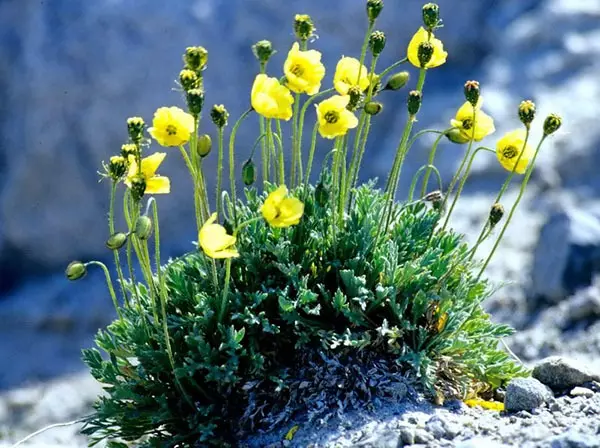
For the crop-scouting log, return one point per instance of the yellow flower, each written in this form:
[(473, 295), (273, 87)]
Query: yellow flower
[(484, 124), (215, 241), (491, 405), (334, 118), (303, 70), (155, 184), (270, 99), (281, 211), (510, 147), (439, 55), (171, 126), (346, 75)]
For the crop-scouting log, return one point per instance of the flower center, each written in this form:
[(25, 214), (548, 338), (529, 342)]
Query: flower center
[(467, 124), (171, 130), (332, 117), (297, 70), (510, 152)]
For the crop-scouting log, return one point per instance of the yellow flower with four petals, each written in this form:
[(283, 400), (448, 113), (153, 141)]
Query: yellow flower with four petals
[(304, 70), (155, 184), (270, 99), (510, 147), (439, 55), (347, 75), (280, 210), (215, 241), (171, 126), (334, 118), (471, 125)]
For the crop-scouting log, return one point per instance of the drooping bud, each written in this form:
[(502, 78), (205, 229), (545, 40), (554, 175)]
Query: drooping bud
[(356, 97), (195, 58), (431, 15), (117, 167), (195, 101), (472, 92), (303, 27), (373, 108), (75, 270), (377, 42), (138, 187), (496, 214), (552, 124), (249, 172), (436, 198), (204, 145), (321, 194), (116, 241), (188, 79), (219, 115), (397, 81), (135, 128), (414, 102), (129, 149), (425, 53), (143, 227), (527, 112), (374, 8), (456, 136), (263, 50)]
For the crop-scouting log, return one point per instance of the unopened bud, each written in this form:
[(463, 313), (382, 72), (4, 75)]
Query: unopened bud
[(377, 42), (116, 241), (397, 81), (496, 214), (143, 227), (263, 50), (431, 15), (375, 85), (472, 92), (249, 172), (373, 108), (321, 194), (75, 270), (356, 97), (129, 149), (117, 167), (552, 124), (456, 136), (219, 115), (303, 27), (188, 79), (195, 58), (195, 101), (414, 102), (436, 198), (374, 8), (204, 145), (138, 187), (135, 128), (425, 53), (527, 112)]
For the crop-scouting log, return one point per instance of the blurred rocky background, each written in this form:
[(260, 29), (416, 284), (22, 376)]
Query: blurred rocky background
[(71, 72)]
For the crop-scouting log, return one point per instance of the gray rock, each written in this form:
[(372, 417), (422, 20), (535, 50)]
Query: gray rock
[(562, 373), (525, 394), (581, 392), (422, 436), (480, 442), (441, 428), (574, 439)]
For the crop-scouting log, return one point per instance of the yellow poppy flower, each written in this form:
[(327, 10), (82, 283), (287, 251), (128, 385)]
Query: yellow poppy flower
[(346, 75), (270, 99), (334, 118), (491, 405), (508, 149), (303, 70), (439, 55), (215, 241), (155, 184), (281, 211), (171, 126), (484, 124)]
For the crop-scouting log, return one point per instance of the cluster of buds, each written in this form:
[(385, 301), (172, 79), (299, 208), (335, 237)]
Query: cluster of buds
[(304, 27), (190, 78), (219, 116), (135, 129), (527, 111)]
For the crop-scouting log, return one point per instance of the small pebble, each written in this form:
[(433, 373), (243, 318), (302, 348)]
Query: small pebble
[(581, 392)]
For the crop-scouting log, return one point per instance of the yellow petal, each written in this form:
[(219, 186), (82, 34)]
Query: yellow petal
[(151, 163), (158, 185)]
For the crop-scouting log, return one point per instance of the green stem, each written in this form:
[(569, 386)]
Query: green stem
[(219, 201), (392, 67), (191, 168), (432, 153), (111, 290), (225, 290), (363, 51), (295, 145), (111, 228), (307, 103), (281, 155), (232, 161), (311, 156), (413, 185)]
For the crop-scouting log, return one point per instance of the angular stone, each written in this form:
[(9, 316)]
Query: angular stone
[(525, 394), (561, 374)]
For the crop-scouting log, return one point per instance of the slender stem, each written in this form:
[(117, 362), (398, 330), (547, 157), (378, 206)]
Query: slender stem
[(264, 155), (392, 67), (413, 185), (295, 145), (225, 290), (281, 155), (232, 160), (111, 228), (219, 198), (111, 290), (432, 153), (514, 207), (307, 103), (46, 428), (415, 137), (311, 156), (191, 168), (363, 51), (343, 179)]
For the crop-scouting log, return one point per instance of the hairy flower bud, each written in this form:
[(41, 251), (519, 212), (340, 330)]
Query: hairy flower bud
[(219, 115), (303, 27), (431, 15), (373, 108), (116, 241), (75, 270), (425, 53), (195, 58), (496, 214), (117, 167), (129, 149), (143, 227), (436, 198), (138, 187), (249, 172), (455, 135), (472, 92), (188, 79), (377, 42), (204, 145), (135, 128), (374, 8), (195, 101), (552, 124), (527, 112), (414, 102), (263, 50), (321, 194), (356, 97), (397, 81)]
